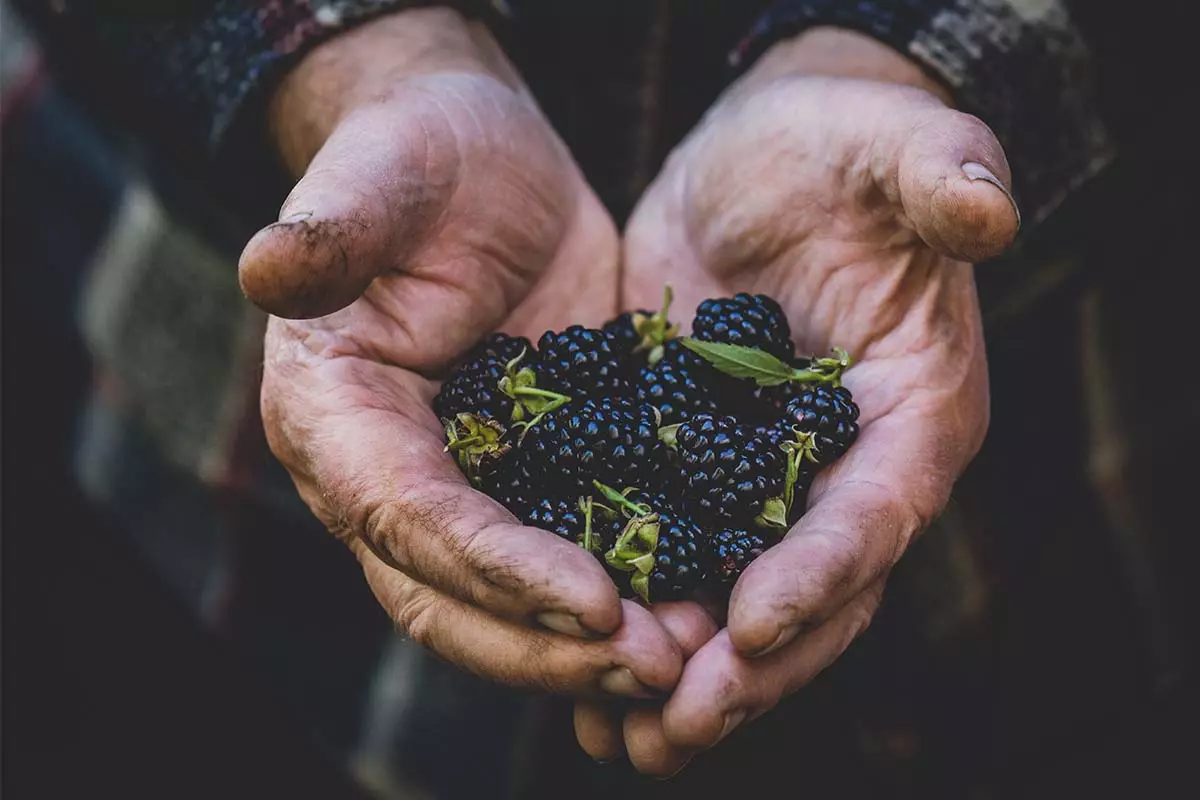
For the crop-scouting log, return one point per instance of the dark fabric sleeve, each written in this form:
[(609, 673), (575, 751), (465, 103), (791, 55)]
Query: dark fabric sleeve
[(190, 78), (1019, 65)]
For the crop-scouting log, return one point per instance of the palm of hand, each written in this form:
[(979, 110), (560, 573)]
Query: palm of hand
[(448, 209), (826, 195)]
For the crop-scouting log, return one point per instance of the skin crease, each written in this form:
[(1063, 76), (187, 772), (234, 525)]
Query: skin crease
[(830, 177), (435, 204)]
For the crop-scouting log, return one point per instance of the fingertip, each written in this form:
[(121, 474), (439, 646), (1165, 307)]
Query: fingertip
[(688, 624), (653, 656), (300, 268), (585, 602), (598, 730), (954, 183), (649, 750), (973, 215)]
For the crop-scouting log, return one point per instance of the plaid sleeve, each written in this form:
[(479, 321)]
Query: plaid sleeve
[(184, 76), (1019, 65)]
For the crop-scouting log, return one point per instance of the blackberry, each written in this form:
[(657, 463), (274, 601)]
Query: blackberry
[(665, 551), (733, 395), (673, 387), (747, 320), (623, 333), (828, 412), (512, 484), (567, 518), (729, 471), (581, 362), (611, 440), (637, 336), (475, 385), (732, 551)]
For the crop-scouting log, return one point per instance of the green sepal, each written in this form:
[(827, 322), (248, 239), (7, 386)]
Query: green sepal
[(654, 329), (474, 440), (773, 515), (641, 584), (667, 435)]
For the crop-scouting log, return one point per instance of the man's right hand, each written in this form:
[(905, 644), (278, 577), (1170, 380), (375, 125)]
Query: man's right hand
[(436, 205)]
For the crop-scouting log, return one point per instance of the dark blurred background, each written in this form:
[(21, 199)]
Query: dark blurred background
[(122, 670)]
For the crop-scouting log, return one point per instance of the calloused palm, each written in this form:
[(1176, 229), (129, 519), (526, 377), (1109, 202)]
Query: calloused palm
[(849, 202)]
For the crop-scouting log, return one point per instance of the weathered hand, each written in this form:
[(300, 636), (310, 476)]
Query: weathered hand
[(436, 205), (860, 205)]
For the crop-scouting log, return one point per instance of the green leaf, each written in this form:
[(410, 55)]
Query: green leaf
[(742, 362)]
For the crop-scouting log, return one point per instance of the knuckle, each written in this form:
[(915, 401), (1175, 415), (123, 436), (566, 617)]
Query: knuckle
[(415, 612)]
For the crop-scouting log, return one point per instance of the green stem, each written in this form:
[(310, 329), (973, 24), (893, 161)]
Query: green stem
[(621, 501)]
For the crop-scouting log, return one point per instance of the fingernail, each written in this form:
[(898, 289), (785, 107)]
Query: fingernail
[(732, 720), (978, 172), (566, 624), (620, 681), (299, 216), (786, 635)]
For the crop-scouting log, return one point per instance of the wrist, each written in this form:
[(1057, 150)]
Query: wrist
[(840, 52), (362, 65)]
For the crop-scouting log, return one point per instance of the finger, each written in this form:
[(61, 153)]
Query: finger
[(367, 455), (640, 660), (955, 185), (869, 505), (650, 752), (364, 205), (720, 689), (687, 623), (598, 729)]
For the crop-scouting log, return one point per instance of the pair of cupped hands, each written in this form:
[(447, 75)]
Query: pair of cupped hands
[(436, 204)]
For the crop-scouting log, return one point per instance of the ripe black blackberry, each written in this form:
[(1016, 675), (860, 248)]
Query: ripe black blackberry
[(747, 320), (676, 390), (475, 386), (732, 551), (827, 411), (611, 440), (729, 471), (567, 518), (666, 551), (581, 362), (731, 395), (623, 332), (512, 484)]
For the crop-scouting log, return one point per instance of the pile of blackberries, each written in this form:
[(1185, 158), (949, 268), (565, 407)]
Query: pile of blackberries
[(677, 461)]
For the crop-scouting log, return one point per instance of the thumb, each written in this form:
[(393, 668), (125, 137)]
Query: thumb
[(955, 186), (365, 203)]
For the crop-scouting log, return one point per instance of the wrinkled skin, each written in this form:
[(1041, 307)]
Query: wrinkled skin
[(846, 200), (436, 204)]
